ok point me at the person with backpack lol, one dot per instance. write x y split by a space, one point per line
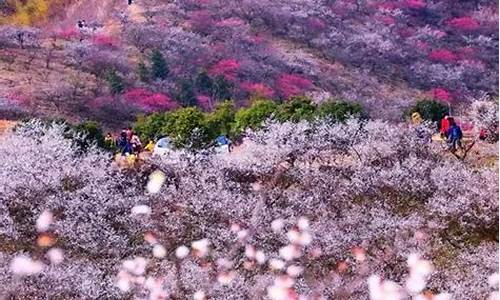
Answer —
455 135
123 143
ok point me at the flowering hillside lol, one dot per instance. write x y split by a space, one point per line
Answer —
291 149
316 210
382 54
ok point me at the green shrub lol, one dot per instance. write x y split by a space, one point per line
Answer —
181 124
159 67
295 110
150 127
220 121
115 82
204 84
255 115
340 110
186 94
190 127
222 89
143 72
93 134
429 110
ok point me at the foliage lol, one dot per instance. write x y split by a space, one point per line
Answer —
296 109
143 72
29 12
186 94
226 120
150 127
115 82
92 133
220 121
340 110
430 110
19 37
204 83
221 89
181 125
159 67
253 116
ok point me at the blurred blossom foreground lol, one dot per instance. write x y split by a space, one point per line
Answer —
306 210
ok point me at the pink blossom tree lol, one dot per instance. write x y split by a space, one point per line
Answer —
290 85
443 56
227 68
149 101
464 24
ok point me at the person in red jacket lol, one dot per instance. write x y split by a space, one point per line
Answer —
445 126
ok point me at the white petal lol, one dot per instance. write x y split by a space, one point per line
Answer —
260 257
294 271
156 180
303 223
276 264
55 256
181 252
199 295
277 225
25 266
159 251
141 210
44 220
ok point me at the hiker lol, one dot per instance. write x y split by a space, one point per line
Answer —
416 118
109 140
454 135
129 133
123 144
136 143
150 146
445 125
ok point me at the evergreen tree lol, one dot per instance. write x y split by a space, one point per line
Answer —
186 94
115 82
222 88
143 72
204 84
159 68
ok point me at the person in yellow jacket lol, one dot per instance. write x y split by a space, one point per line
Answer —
150 146
416 118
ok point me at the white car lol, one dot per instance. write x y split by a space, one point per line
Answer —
163 146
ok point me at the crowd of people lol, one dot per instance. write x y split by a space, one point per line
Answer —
128 142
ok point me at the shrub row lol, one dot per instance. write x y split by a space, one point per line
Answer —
190 127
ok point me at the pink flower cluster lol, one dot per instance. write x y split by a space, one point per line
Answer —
227 68
149 101
290 85
257 89
464 23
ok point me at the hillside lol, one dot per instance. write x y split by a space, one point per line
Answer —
382 54
250 149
